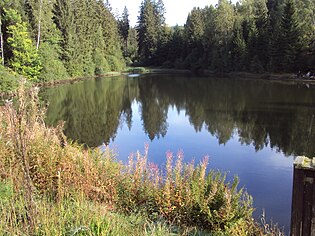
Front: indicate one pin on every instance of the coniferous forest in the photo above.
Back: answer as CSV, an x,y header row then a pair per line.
x,y
252,35
46,40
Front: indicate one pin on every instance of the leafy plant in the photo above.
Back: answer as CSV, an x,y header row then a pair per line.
x,y
25,60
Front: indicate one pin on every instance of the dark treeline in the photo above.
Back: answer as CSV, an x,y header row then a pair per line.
x,y
44,40
251,35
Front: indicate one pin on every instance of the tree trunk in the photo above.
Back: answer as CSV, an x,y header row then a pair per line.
x,y
126,47
39,23
1,39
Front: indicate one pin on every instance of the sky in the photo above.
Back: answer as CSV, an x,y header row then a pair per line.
x,y
176,10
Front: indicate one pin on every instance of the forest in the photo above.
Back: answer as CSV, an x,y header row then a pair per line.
x,y
255,36
51,40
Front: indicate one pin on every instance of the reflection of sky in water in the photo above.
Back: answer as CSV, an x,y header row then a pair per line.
x,y
266,174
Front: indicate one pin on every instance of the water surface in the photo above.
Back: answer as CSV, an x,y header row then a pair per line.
x,y
252,129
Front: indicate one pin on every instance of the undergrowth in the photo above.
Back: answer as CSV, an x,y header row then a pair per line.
x,y
51,186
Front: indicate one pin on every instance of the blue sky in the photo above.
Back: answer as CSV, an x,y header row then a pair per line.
x,y
176,11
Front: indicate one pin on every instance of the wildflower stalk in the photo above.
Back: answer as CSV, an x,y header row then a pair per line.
x,y
22,123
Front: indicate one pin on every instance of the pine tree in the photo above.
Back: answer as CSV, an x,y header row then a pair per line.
x,y
238,46
64,20
274,19
194,27
194,34
150,29
132,50
224,22
147,34
261,42
124,28
289,38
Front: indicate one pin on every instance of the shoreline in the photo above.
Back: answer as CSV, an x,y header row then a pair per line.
x,y
281,77
290,78
74,80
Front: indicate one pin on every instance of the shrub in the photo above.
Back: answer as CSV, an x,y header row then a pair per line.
x,y
25,59
185,195
8,81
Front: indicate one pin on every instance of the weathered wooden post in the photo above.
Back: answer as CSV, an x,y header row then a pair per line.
x,y
303,197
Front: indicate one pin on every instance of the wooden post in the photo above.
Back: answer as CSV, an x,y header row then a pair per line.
x,y
303,198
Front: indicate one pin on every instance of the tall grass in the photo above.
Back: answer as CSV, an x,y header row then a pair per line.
x,y
50,186
185,195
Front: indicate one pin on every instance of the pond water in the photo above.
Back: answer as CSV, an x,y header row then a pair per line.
x,y
252,129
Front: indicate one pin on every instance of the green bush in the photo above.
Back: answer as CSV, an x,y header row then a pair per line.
x,y
8,81
101,64
116,64
136,70
25,59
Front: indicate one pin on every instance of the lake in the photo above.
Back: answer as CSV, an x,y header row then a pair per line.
x,y
252,129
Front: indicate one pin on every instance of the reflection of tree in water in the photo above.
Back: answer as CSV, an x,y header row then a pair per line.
x,y
153,109
92,109
260,113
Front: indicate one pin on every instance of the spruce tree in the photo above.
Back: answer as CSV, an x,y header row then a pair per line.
x,y
224,22
274,19
261,21
150,29
124,28
289,38
194,27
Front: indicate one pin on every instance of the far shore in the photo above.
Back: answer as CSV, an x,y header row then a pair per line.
x,y
273,77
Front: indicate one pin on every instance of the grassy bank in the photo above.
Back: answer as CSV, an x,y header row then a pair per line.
x,y
51,186
9,80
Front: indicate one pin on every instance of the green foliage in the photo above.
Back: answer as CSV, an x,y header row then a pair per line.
x,y
115,64
132,47
123,24
65,32
8,81
25,59
101,64
53,68
150,29
74,216
290,35
6,192
276,35
273,35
